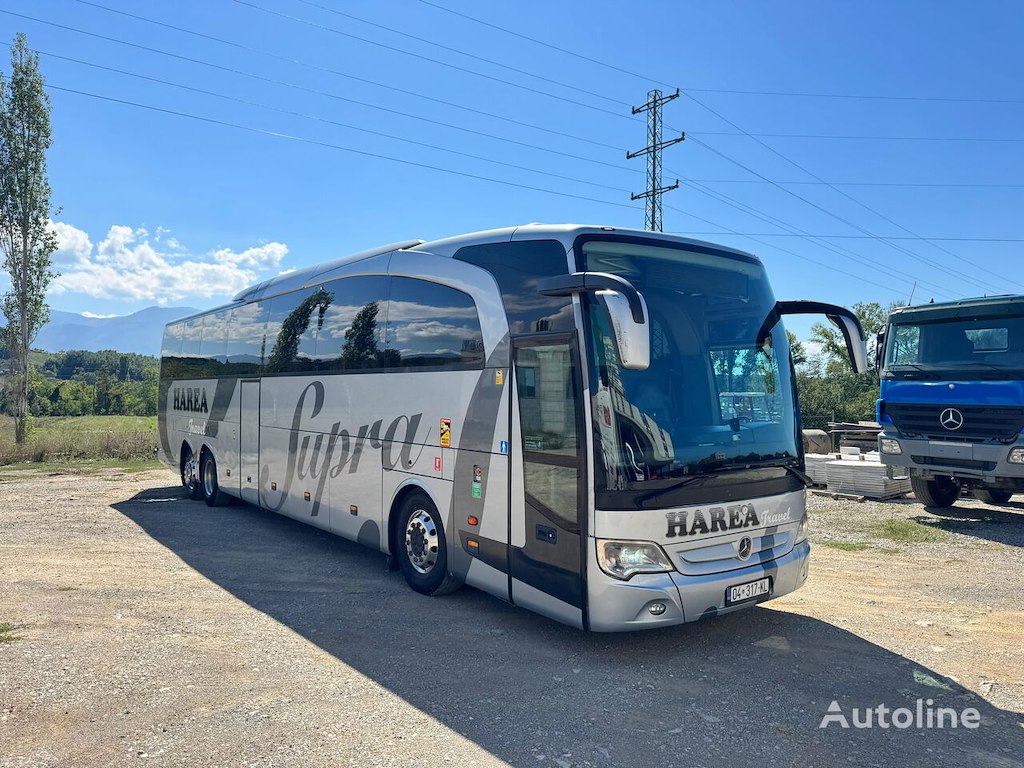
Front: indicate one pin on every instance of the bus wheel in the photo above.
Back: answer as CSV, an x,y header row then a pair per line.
x,y
190,475
939,492
992,496
421,547
215,497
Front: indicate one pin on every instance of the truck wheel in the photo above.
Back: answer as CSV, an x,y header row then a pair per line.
x,y
992,497
939,492
421,547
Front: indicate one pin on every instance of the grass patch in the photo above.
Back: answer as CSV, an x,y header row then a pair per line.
x,y
61,440
847,546
87,467
7,632
908,531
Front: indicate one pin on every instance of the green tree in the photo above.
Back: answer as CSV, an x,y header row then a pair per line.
x,y
26,239
797,351
872,317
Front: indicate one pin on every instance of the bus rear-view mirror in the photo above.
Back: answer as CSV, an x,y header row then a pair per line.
x,y
841,317
632,339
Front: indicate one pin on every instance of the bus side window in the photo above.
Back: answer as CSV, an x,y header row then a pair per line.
x,y
432,326
291,331
351,332
247,338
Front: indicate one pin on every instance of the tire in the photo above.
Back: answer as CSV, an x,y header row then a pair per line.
x,y
992,496
215,497
190,475
422,548
939,492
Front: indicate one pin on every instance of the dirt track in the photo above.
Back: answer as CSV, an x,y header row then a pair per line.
x,y
156,628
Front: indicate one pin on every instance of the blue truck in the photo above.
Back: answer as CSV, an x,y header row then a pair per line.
x,y
951,402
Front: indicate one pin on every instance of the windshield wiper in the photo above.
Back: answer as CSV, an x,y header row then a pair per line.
x,y
659,492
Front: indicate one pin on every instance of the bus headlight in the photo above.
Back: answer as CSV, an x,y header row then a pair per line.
x,y
803,530
624,559
888,445
1016,456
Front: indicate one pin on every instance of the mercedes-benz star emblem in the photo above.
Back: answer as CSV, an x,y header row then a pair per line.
x,y
745,546
951,419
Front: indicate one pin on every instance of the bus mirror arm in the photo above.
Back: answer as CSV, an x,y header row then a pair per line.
x,y
627,311
842,318
584,282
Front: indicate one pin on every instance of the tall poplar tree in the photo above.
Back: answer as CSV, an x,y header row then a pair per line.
x,y
26,239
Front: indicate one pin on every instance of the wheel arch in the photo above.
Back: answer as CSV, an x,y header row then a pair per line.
x,y
404,491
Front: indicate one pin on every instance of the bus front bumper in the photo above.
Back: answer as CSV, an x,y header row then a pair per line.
x,y
619,606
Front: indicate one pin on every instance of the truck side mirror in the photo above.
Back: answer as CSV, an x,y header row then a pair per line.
x,y
880,347
842,318
627,311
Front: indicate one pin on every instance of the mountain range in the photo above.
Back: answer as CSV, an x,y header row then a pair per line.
x,y
139,332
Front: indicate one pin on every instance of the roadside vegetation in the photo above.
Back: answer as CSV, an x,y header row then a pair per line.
x,y
109,440
7,631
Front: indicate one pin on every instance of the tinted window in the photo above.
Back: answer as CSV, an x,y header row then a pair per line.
x,y
431,325
517,268
170,351
247,338
351,336
191,341
291,330
213,348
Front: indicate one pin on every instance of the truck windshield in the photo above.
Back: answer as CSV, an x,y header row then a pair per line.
x,y
713,400
989,346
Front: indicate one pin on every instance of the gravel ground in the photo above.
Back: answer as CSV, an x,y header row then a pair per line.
x,y
155,628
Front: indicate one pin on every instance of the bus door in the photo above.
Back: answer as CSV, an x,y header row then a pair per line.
x,y
249,442
548,499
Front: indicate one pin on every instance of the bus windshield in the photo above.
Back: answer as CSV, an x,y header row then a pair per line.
x,y
713,400
989,347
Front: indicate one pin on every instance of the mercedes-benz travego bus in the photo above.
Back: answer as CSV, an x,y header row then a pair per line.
x,y
597,424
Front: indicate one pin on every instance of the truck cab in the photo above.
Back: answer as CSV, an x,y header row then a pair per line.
x,y
951,398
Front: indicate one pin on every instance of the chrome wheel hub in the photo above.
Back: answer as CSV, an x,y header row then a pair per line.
x,y
189,473
421,541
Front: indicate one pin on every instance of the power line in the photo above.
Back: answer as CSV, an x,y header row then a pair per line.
x,y
318,92
862,137
864,96
839,250
938,184
842,219
742,131
339,147
346,75
866,207
337,123
621,70
439,62
434,43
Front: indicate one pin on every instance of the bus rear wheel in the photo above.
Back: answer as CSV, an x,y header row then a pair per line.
x,y
215,497
421,547
190,475
992,496
937,492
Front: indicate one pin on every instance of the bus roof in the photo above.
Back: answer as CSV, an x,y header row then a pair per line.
x,y
564,233
986,306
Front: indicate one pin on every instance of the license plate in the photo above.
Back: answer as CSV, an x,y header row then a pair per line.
x,y
748,591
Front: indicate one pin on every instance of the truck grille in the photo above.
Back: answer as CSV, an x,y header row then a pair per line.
x,y
980,422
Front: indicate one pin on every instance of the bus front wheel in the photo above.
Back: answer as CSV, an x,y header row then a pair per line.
x,y
190,475
938,492
421,547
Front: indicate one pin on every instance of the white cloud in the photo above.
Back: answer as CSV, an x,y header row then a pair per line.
x,y
95,316
73,246
126,265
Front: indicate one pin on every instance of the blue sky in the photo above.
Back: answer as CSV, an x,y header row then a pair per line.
x,y
163,208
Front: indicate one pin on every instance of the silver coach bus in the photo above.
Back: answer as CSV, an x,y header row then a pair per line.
x,y
598,424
